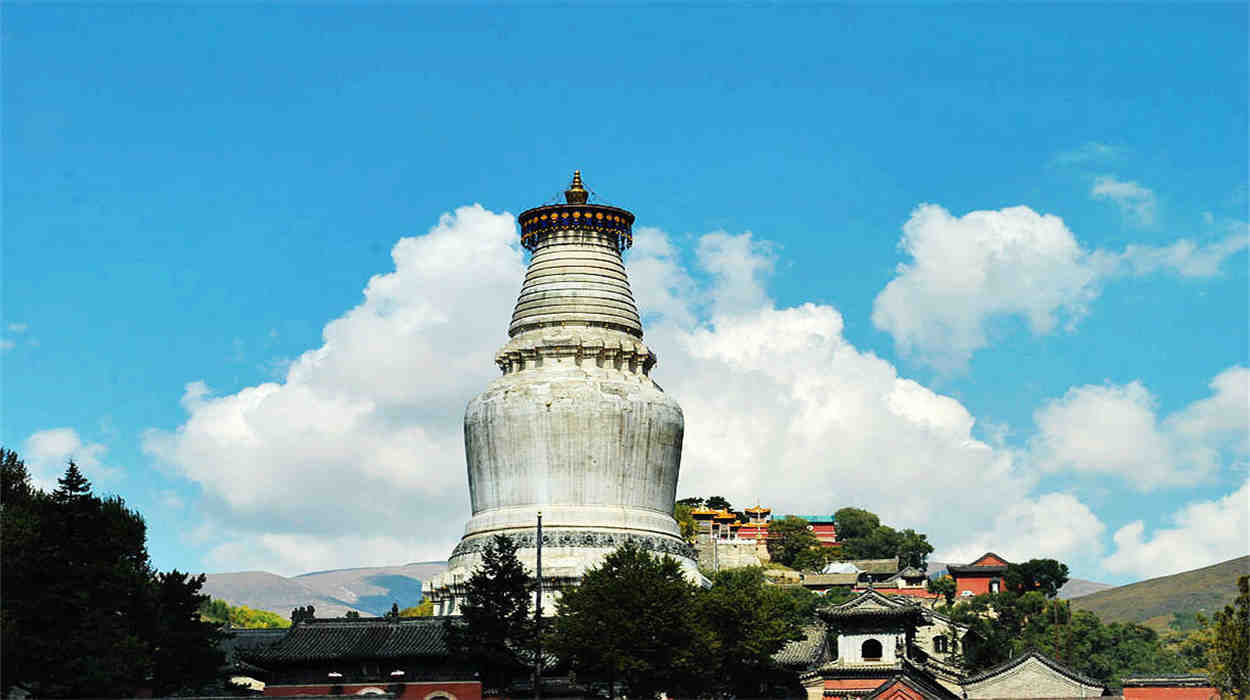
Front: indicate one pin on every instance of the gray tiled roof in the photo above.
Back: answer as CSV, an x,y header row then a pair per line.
x,y
356,638
876,566
804,652
1161,680
1046,660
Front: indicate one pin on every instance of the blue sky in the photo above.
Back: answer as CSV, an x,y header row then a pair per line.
x,y
1021,232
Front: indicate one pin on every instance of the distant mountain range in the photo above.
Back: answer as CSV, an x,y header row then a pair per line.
x,y
1153,601
369,591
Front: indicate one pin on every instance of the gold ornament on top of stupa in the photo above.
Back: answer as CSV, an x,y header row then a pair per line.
x,y
576,193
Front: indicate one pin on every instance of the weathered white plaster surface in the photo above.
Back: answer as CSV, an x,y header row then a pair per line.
x,y
574,427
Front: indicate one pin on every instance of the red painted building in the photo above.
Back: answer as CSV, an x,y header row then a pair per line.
x,y
985,575
825,528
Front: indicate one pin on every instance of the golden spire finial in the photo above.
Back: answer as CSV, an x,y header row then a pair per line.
x,y
576,193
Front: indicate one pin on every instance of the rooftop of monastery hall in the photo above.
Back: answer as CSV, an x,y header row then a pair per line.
x,y
988,563
1040,658
343,638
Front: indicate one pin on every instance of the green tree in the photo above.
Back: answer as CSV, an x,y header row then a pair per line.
x,y
221,612
84,613
423,609
1045,575
686,521
914,549
854,523
180,651
882,543
813,558
494,629
633,619
788,538
749,622
719,503
1229,656
1006,624
944,585
692,502
15,484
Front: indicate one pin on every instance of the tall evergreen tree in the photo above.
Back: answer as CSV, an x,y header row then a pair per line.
x,y
84,614
495,628
72,484
15,486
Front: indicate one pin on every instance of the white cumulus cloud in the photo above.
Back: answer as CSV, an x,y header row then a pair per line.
x,y
966,271
1054,525
770,391
47,453
1202,533
356,456
363,434
1115,430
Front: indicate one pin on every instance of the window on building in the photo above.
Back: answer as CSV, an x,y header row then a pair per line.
x,y
870,650
940,645
994,586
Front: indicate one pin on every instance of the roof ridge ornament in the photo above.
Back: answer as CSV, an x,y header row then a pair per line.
x,y
576,193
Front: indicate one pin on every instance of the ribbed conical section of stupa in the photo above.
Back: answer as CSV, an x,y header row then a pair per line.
x,y
580,282
574,428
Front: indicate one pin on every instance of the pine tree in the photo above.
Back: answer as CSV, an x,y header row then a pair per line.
x,y
84,614
72,485
495,627
15,486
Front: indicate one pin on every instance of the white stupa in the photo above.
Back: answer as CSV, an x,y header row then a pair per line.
x,y
574,428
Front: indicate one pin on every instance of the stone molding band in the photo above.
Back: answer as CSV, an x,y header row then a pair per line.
x,y
589,539
600,347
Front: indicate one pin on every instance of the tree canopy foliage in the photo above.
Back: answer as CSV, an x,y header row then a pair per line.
x,y
1077,639
495,630
685,520
1229,656
749,621
423,609
864,537
634,620
221,612
1045,575
84,613
792,543
944,585
637,624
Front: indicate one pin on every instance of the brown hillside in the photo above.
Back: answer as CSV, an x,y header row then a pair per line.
x,y
1152,602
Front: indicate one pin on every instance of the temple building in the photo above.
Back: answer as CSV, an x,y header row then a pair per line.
x,y
574,428
877,646
985,575
825,527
